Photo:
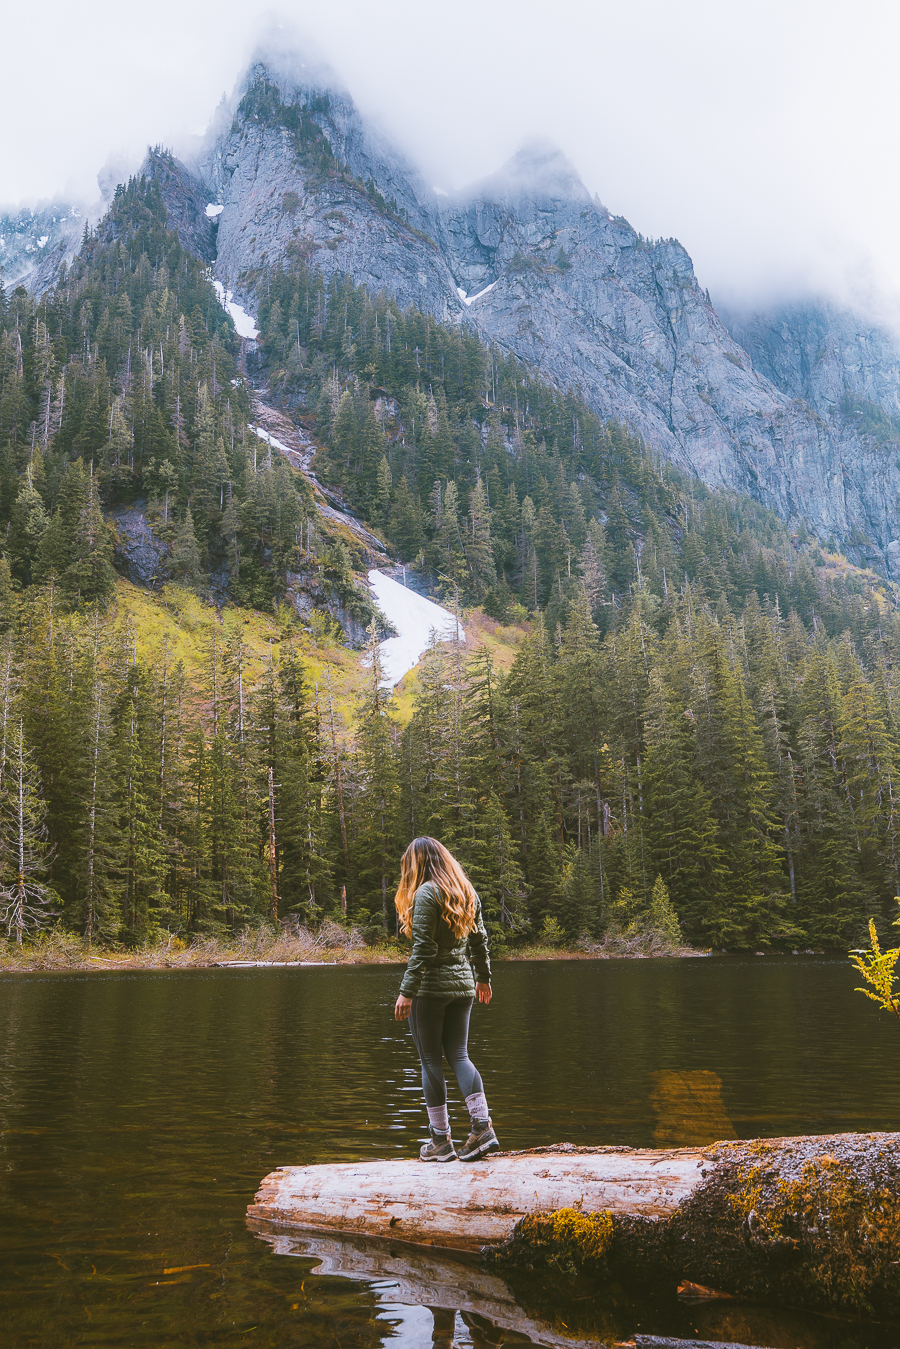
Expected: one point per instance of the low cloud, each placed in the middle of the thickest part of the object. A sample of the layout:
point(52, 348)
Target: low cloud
point(763, 137)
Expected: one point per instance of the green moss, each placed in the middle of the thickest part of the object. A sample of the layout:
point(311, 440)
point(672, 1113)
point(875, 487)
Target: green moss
point(844, 1228)
point(567, 1240)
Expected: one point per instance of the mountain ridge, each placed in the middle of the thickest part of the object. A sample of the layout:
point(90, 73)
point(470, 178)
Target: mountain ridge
point(539, 266)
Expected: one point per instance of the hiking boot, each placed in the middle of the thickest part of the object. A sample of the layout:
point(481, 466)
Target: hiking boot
point(482, 1139)
point(438, 1149)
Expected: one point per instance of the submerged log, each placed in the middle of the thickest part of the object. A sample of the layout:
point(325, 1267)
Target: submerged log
point(811, 1221)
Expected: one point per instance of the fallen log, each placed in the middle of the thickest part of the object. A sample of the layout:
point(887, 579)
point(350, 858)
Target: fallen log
point(812, 1221)
point(465, 1207)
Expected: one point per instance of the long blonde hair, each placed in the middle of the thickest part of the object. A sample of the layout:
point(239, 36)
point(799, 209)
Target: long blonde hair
point(427, 860)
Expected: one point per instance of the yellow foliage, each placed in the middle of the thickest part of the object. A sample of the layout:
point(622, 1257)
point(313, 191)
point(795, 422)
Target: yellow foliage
point(877, 968)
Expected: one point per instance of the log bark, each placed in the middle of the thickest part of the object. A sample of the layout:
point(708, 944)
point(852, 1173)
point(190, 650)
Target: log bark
point(465, 1207)
point(812, 1221)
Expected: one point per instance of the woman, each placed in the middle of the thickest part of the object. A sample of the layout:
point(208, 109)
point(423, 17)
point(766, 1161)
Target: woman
point(438, 908)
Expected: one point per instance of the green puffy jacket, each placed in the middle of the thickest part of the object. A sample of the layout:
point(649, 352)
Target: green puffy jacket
point(440, 965)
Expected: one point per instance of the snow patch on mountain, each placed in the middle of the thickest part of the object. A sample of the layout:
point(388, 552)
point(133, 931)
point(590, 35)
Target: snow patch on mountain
point(244, 323)
point(271, 440)
point(415, 620)
point(470, 299)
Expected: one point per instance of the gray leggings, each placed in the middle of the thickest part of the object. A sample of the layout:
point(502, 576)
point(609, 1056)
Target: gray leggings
point(440, 1026)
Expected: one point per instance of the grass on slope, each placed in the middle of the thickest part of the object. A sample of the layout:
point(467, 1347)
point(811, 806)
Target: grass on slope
point(185, 623)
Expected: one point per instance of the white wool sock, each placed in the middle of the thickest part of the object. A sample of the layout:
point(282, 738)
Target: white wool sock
point(477, 1105)
point(438, 1118)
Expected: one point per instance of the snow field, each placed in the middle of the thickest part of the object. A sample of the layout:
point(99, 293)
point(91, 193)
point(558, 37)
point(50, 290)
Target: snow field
point(272, 440)
point(414, 618)
point(470, 299)
point(244, 323)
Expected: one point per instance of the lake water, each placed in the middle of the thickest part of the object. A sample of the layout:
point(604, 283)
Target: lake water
point(139, 1111)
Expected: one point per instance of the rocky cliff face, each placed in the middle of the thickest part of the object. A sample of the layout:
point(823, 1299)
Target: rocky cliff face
point(186, 199)
point(584, 299)
point(833, 359)
point(300, 176)
point(798, 407)
point(793, 409)
point(34, 242)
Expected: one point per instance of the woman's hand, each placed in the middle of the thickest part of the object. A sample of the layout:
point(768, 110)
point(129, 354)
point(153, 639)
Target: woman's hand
point(483, 993)
point(402, 1008)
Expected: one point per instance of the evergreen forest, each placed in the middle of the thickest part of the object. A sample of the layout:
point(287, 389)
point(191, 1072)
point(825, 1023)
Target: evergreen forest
point(690, 691)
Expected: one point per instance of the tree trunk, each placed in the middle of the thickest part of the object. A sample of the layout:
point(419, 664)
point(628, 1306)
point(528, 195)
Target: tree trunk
point(273, 864)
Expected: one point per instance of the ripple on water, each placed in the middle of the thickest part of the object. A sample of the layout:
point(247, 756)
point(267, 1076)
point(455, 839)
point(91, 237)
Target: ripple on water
point(139, 1111)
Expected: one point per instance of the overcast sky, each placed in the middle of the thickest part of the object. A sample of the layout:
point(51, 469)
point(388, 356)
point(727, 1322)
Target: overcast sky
point(763, 135)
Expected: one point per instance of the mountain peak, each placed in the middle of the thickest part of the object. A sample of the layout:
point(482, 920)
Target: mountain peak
point(538, 170)
point(295, 66)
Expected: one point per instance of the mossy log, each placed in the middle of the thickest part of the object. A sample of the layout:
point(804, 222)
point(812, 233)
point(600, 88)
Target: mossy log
point(812, 1221)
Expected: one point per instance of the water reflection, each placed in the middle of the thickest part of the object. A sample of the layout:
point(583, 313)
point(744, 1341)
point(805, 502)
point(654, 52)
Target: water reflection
point(448, 1300)
point(689, 1108)
point(139, 1112)
point(465, 1303)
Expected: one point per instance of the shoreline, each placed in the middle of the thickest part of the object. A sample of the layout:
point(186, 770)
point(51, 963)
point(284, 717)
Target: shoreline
point(70, 960)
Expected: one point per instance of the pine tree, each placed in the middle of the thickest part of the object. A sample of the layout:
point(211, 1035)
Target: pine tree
point(662, 919)
point(90, 576)
point(731, 762)
point(117, 455)
point(28, 524)
point(94, 901)
point(381, 497)
point(869, 759)
point(680, 826)
point(27, 902)
point(576, 906)
point(141, 862)
point(830, 889)
point(303, 809)
point(479, 553)
point(376, 811)
point(406, 522)
point(184, 561)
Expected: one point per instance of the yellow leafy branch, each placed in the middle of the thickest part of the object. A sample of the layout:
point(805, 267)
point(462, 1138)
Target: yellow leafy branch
point(877, 968)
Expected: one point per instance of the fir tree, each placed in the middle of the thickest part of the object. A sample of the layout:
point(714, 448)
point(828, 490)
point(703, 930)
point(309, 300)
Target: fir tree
point(28, 524)
point(27, 902)
point(376, 841)
point(662, 919)
point(184, 561)
point(406, 524)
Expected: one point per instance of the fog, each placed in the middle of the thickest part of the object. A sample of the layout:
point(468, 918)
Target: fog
point(760, 134)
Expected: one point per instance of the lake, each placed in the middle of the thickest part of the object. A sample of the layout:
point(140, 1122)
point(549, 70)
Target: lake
point(139, 1111)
